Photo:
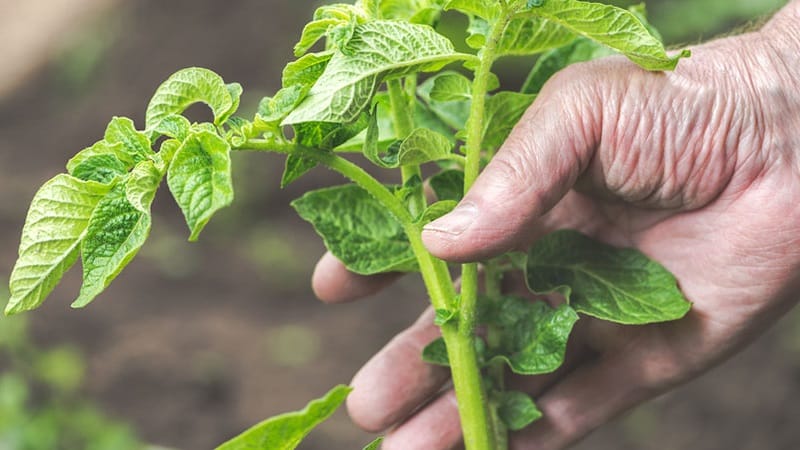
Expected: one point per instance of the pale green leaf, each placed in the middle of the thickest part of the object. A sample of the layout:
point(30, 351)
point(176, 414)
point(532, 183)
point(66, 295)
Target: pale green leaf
point(358, 230)
point(185, 88)
point(529, 36)
point(619, 285)
point(272, 110)
point(306, 70)
point(451, 87)
point(486, 9)
point(142, 185)
point(116, 232)
point(437, 210)
point(51, 237)
point(421, 146)
point(330, 20)
point(374, 445)
point(135, 144)
point(534, 338)
point(200, 179)
point(612, 26)
point(516, 409)
point(453, 113)
point(174, 126)
point(285, 432)
point(380, 50)
point(503, 111)
point(235, 90)
point(579, 50)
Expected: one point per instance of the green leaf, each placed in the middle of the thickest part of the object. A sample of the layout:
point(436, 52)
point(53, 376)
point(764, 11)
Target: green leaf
point(535, 335)
point(296, 167)
point(453, 113)
point(174, 126)
point(200, 178)
point(486, 9)
point(135, 144)
point(445, 316)
point(306, 71)
point(142, 185)
point(358, 230)
point(53, 231)
point(116, 232)
point(503, 111)
point(330, 20)
point(448, 185)
point(529, 36)
point(436, 353)
point(285, 432)
point(451, 87)
point(421, 146)
point(516, 409)
point(185, 88)
point(437, 210)
point(327, 136)
point(619, 285)
point(374, 445)
point(580, 50)
point(379, 50)
point(102, 168)
point(612, 26)
point(272, 110)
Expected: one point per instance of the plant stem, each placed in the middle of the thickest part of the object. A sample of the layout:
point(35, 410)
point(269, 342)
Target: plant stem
point(403, 126)
point(483, 418)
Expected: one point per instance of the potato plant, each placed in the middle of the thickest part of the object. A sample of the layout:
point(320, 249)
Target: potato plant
point(387, 85)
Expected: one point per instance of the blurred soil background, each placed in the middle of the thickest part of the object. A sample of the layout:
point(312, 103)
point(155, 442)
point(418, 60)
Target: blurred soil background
point(196, 342)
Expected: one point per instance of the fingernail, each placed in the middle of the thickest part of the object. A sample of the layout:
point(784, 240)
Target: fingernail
point(456, 222)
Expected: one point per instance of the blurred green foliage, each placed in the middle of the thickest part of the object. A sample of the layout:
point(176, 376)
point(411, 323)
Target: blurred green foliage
point(41, 407)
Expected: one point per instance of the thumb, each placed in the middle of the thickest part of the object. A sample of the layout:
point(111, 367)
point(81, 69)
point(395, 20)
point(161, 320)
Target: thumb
point(538, 164)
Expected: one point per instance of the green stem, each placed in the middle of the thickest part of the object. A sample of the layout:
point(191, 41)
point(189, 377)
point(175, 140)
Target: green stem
point(493, 279)
point(482, 419)
point(403, 126)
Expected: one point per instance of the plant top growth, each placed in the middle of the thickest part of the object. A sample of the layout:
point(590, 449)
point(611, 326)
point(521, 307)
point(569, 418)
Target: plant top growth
point(387, 86)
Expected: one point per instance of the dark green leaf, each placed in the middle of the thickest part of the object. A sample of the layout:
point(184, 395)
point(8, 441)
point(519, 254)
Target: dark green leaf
point(516, 409)
point(580, 50)
point(535, 335)
point(358, 230)
point(116, 232)
point(448, 185)
point(296, 167)
point(200, 178)
point(436, 353)
point(54, 229)
point(327, 136)
point(379, 50)
point(102, 168)
point(285, 432)
point(619, 285)
point(503, 111)
point(437, 210)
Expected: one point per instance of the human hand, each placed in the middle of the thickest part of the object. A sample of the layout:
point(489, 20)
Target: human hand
point(697, 168)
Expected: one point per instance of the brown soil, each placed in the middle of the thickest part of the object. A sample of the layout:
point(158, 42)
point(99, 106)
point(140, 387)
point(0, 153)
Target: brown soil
point(189, 345)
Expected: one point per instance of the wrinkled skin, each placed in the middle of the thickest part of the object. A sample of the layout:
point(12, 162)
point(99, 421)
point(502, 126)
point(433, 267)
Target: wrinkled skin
point(698, 168)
